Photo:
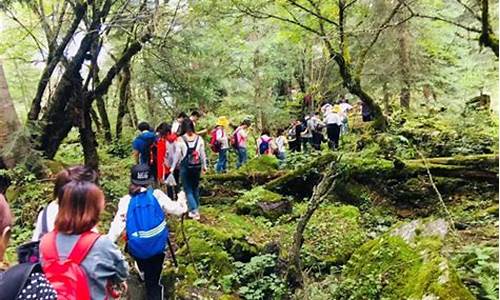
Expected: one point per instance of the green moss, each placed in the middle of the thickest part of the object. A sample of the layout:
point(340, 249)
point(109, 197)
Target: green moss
point(261, 202)
point(390, 268)
point(332, 235)
point(264, 164)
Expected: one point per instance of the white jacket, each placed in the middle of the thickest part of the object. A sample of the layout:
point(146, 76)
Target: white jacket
point(177, 208)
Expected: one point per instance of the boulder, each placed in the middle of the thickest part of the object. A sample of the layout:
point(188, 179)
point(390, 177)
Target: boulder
point(405, 263)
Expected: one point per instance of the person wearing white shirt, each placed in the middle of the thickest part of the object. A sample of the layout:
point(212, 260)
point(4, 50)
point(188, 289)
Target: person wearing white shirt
point(149, 268)
point(333, 122)
point(345, 107)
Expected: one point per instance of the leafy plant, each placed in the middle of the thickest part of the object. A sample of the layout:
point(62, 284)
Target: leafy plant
point(256, 279)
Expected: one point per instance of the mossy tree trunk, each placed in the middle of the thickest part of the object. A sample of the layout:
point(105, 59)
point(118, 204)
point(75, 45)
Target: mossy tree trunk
point(123, 96)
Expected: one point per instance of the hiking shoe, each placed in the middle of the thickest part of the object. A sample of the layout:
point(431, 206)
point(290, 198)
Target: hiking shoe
point(194, 215)
point(139, 272)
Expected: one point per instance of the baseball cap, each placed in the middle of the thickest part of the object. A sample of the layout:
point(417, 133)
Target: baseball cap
point(141, 175)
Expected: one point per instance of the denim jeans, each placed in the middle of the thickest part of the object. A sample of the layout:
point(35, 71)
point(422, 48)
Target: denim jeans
point(222, 161)
point(242, 157)
point(190, 179)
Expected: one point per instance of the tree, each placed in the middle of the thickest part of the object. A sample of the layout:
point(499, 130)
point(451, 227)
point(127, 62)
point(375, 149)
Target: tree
point(317, 17)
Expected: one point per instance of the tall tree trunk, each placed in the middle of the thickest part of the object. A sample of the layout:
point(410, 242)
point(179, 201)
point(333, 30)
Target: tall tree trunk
point(9, 122)
point(131, 111)
point(123, 96)
point(487, 37)
point(404, 64)
point(150, 102)
point(387, 97)
point(101, 109)
point(87, 138)
point(95, 118)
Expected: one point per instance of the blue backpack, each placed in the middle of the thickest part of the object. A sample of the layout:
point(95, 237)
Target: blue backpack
point(264, 147)
point(147, 231)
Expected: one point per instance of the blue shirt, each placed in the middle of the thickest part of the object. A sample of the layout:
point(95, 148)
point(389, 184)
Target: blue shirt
point(142, 144)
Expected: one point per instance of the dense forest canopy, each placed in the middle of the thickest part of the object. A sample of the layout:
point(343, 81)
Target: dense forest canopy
point(78, 76)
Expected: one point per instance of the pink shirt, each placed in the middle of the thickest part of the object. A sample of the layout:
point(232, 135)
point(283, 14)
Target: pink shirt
point(242, 136)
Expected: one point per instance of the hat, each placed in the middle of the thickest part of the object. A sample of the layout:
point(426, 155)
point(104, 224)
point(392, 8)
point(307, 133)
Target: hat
point(222, 121)
point(336, 108)
point(141, 175)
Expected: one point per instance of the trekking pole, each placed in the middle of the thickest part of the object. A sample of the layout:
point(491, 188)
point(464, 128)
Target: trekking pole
point(187, 245)
point(171, 248)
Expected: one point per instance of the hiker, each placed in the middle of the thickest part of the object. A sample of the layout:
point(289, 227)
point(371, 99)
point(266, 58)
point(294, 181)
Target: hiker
point(292, 138)
point(162, 131)
point(281, 143)
point(326, 107)
point(24, 280)
point(47, 217)
point(176, 125)
point(219, 143)
point(167, 158)
point(316, 126)
point(345, 108)
point(142, 144)
point(333, 122)
point(193, 163)
point(143, 210)
point(297, 130)
point(265, 144)
point(172, 164)
point(76, 260)
point(194, 117)
point(307, 133)
point(366, 112)
point(239, 142)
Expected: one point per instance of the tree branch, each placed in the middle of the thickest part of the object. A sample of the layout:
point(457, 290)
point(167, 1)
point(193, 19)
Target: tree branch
point(52, 62)
point(262, 15)
point(309, 11)
point(382, 27)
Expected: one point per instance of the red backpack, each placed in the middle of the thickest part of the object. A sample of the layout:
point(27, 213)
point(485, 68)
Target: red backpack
point(67, 276)
point(215, 145)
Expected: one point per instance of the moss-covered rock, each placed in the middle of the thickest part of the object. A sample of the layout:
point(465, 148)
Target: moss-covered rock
point(215, 242)
point(404, 264)
point(264, 164)
point(261, 202)
point(331, 236)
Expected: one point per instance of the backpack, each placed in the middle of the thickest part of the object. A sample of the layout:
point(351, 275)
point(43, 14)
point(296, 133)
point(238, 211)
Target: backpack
point(192, 160)
point(215, 145)
point(67, 276)
point(25, 281)
point(234, 139)
point(147, 231)
point(264, 147)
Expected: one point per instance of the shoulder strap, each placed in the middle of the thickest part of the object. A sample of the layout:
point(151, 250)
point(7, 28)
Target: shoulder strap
point(48, 247)
point(196, 142)
point(83, 246)
point(45, 227)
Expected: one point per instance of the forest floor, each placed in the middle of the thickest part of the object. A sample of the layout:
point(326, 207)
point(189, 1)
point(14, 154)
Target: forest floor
point(383, 233)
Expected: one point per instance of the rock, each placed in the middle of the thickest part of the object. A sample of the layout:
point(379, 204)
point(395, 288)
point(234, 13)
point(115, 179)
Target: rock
point(409, 231)
point(261, 202)
point(405, 263)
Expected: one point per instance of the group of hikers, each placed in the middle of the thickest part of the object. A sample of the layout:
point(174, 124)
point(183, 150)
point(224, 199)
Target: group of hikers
point(69, 258)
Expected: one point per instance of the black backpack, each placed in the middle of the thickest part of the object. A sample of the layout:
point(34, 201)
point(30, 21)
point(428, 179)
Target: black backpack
point(192, 160)
point(25, 281)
